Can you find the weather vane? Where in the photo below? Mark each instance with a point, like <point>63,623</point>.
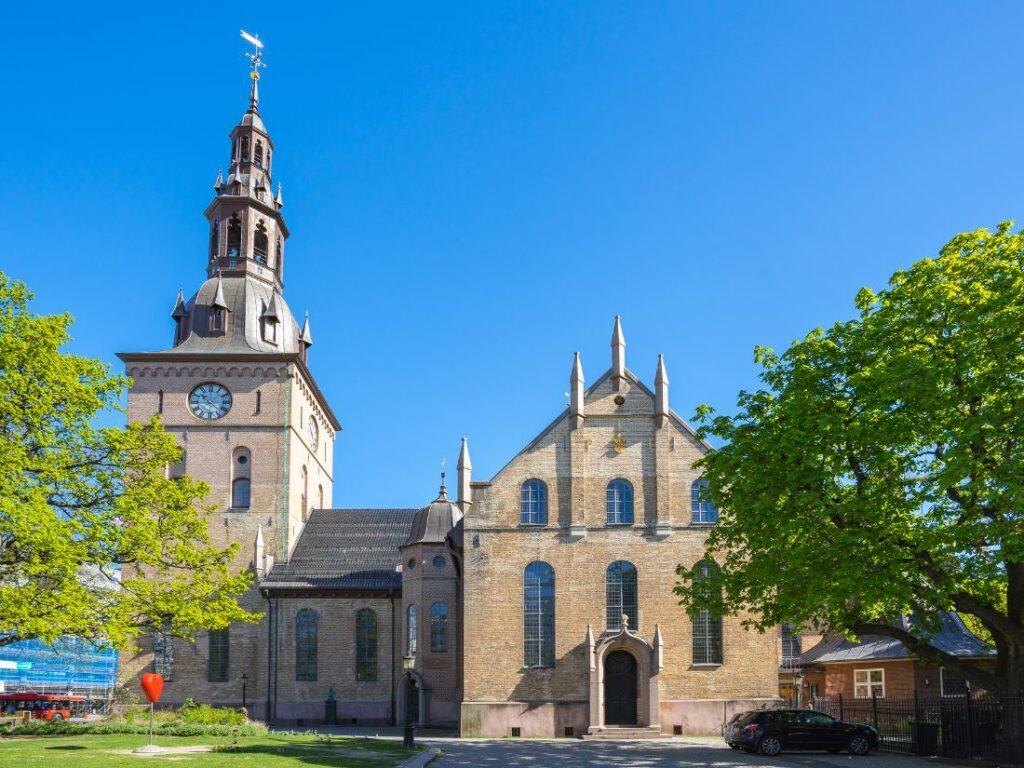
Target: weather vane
<point>256,57</point>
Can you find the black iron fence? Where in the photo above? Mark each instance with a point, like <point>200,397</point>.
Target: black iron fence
<point>970,726</point>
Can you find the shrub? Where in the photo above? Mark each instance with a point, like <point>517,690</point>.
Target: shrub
<point>204,714</point>
<point>118,726</point>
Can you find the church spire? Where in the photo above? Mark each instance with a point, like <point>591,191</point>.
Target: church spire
<point>618,353</point>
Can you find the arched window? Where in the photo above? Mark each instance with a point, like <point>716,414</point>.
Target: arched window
<point>319,497</point>
<point>268,161</point>
<point>277,253</point>
<point>217,657</point>
<point>620,591</point>
<point>707,628</point>
<point>240,493</point>
<point>258,154</point>
<point>703,508</point>
<point>539,615</point>
<point>439,628</point>
<point>620,502</point>
<point>305,483</point>
<point>366,644</point>
<point>215,238</point>
<point>533,503</point>
<point>305,644</point>
<point>260,243</point>
<point>410,631</point>
<point>245,149</point>
<point>234,239</point>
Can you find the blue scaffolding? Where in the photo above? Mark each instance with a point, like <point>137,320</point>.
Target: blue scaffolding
<point>70,665</point>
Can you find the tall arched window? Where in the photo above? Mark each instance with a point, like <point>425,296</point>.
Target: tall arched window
<point>533,503</point>
<point>319,497</point>
<point>277,253</point>
<point>366,644</point>
<point>306,641</point>
<point>241,472</point>
<point>234,238</point>
<point>258,154</point>
<point>620,502</point>
<point>260,243</point>
<point>215,238</point>
<point>539,615</point>
<point>410,631</point>
<point>245,149</point>
<point>305,484</point>
<point>707,628</point>
<point>439,628</point>
<point>703,508</point>
<point>620,592</point>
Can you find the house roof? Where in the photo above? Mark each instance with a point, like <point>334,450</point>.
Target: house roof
<point>953,637</point>
<point>345,549</point>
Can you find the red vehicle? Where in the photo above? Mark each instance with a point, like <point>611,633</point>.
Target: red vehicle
<point>44,706</point>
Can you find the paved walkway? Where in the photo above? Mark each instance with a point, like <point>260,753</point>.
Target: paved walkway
<point>678,753</point>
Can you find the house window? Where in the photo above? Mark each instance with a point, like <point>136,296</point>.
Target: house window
<point>217,663</point>
<point>240,493</point>
<point>305,645</point>
<point>790,643</point>
<point>260,244</point>
<point>163,655</point>
<point>707,627</point>
<point>620,502</point>
<point>951,684</point>
<point>439,628</point>
<point>701,505</point>
<point>533,503</point>
<point>539,615</point>
<point>366,645</point>
<point>620,590</point>
<point>410,631</point>
<point>868,683</point>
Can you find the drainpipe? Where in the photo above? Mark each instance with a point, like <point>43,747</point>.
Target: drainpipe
<point>284,478</point>
<point>393,632</point>
<point>277,647</point>
<point>270,649</point>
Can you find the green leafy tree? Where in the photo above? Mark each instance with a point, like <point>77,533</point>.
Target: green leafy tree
<point>95,540</point>
<point>879,471</point>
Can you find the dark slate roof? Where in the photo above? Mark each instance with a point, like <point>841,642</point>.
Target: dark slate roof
<point>345,549</point>
<point>953,637</point>
<point>433,523</point>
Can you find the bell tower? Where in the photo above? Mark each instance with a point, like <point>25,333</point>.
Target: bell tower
<point>236,390</point>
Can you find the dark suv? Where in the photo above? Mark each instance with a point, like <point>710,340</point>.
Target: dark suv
<point>769,731</point>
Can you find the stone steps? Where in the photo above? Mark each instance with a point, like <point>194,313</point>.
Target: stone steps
<point>624,732</point>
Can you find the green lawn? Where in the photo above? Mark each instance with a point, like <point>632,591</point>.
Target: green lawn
<point>270,751</point>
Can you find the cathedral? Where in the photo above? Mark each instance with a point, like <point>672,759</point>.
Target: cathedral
<point>534,603</point>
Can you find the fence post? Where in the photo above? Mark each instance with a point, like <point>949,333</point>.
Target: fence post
<point>970,725</point>
<point>916,730</point>
<point>841,707</point>
<point>874,707</point>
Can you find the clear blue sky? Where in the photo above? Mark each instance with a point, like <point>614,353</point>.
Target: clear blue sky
<point>476,189</point>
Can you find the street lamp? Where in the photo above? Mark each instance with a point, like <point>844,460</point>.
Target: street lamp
<point>408,733</point>
<point>244,680</point>
<point>798,681</point>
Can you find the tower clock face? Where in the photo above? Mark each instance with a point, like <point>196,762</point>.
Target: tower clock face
<point>314,433</point>
<point>209,401</point>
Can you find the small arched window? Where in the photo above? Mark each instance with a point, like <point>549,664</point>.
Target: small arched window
<point>258,154</point>
<point>533,503</point>
<point>620,592</point>
<point>707,627</point>
<point>366,644</point>
<point>268,161</point>
<point>410,631</point>
<point>620,502</point>
<point>439,628</point>
<point>245,149</point>
<point>702,507</point>
<point>306,645</point>
<point>260,243</point>
<point>234,239</point>
<point>277,253</point>
<point>538,615</point>
<point>319,497</point>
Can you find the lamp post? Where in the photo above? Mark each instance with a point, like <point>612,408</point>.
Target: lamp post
<point>798,681</point>
<point>244,680</point>
<point>408,733</point>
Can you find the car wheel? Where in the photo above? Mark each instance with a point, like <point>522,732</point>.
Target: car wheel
<point>859,745</point>
<point>770,745</point>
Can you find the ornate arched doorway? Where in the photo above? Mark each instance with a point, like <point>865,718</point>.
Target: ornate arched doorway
<point>620,688</point>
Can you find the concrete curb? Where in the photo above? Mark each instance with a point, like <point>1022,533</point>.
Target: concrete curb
<point>424,757</point>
